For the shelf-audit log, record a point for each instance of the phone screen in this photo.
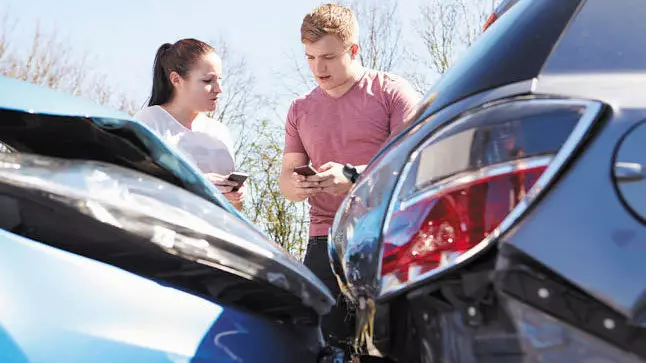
(239, 178)
(305, 170)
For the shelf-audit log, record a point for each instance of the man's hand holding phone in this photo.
(304, 181)
(331, 179)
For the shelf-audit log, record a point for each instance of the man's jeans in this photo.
(338, 324)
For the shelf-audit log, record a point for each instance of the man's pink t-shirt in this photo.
(348, 129)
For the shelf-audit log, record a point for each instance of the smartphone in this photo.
(305, 170)
(237, 177)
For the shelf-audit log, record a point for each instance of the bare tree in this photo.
(285, 222)
(446, 29)
(380, 33)
(240, 105)
(49, 61)
(438, 32)
(7, 26)
(298, 80)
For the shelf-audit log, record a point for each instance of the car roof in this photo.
(23, 96)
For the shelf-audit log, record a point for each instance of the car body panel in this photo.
(592, 60)
(589, 225)
(46, 122)
(77, 285)
(600, 39)
(60, 307)
(581, 235)
(628, 174)
(154, 229)
(600, 56)
(530, 336)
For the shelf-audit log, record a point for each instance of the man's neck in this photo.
(183, 115)
(340, 90)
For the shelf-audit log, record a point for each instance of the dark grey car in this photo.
(506, 223)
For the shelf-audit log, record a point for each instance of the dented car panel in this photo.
(114, 245)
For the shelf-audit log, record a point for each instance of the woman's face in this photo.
(200, 89)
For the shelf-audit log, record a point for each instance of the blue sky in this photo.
(123, 35)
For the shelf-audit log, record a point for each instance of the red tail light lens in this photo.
(455, 220)
(492, 18)
(466, 179)
(502, 8)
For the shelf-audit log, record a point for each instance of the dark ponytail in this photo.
(162, 88)
(179, 57)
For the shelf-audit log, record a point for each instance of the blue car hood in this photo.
(64, 146)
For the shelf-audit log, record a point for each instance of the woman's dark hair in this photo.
(179, 57)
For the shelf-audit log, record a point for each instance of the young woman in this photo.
(186, 84)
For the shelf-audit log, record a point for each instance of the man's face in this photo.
(330, 61)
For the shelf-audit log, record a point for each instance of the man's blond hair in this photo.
(330, 19)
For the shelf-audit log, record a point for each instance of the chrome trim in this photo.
(629, 172)
(463, 178)
(592, 110)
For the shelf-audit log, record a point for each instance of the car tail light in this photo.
(456, 220)
(490, 20)
(502, 8)
(462, 184)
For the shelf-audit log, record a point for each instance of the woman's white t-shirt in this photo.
(208, 145)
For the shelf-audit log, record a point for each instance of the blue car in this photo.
(113, 248)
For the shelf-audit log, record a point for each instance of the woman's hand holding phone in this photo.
(227, 186)
(221, 182)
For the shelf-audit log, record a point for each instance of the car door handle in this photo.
(629, 172)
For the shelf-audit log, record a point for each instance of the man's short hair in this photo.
(330, 19)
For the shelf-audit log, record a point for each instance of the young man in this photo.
(346, 119)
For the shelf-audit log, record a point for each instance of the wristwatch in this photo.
(351, 173)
